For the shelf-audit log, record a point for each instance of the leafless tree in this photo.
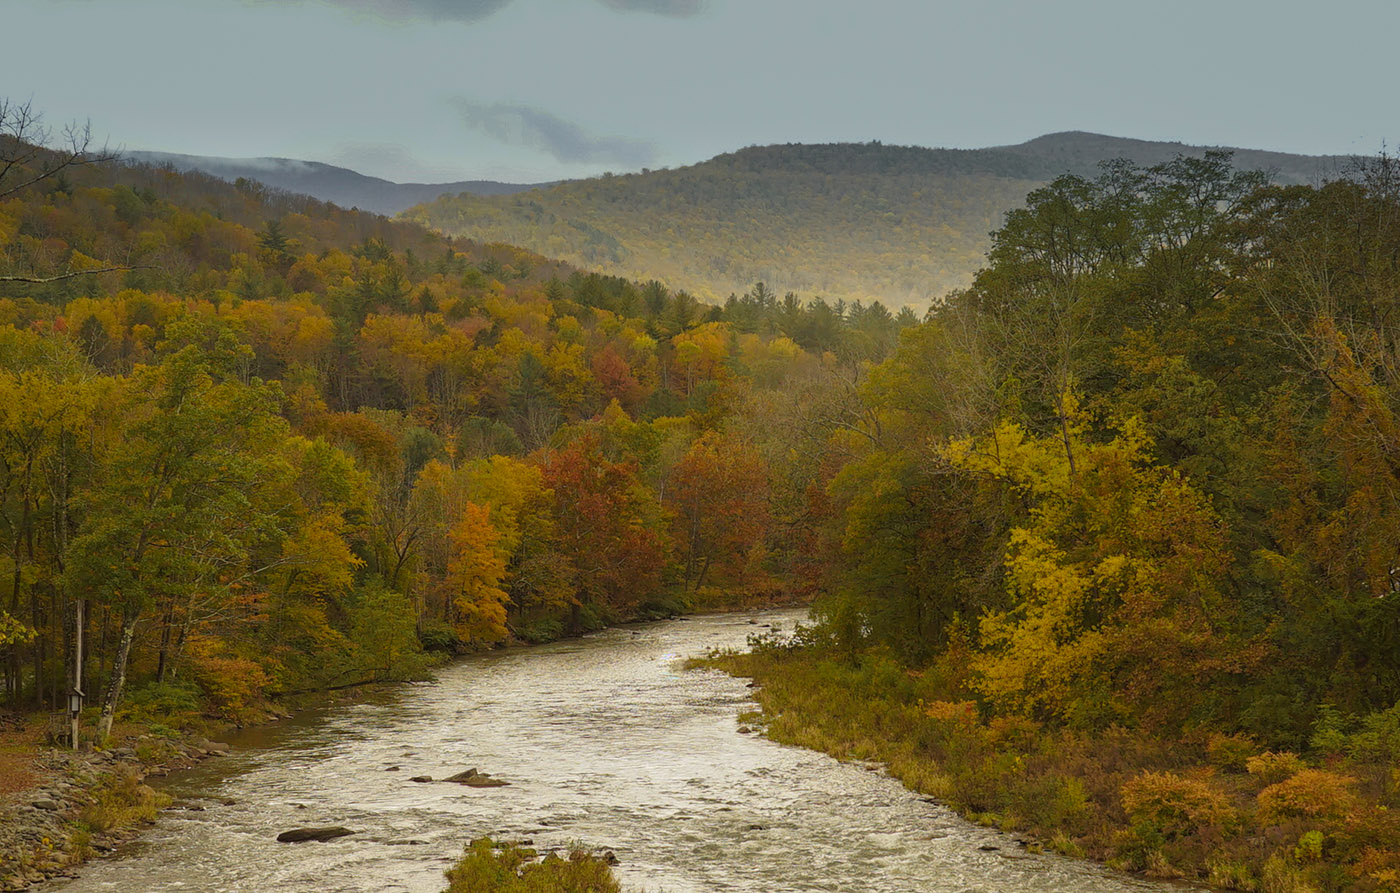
(30, 153)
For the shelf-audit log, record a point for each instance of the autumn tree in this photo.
(475, 603)
(719, 490)
(1117, 581)
(606, 528)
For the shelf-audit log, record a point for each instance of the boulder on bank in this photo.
(211, 747)
(320, 835)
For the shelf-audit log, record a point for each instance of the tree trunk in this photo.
(36, 650)
(164, 644)
(14, 670)
(114, 685)
(180, 638)
(704, 568)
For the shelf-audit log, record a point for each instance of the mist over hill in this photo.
(327, 182)
(866, 221)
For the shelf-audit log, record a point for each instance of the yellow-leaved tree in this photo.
(475, 570)
(1117, 579)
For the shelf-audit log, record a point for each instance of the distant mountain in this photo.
(855, 221)
(1075, 151)
(327, 182)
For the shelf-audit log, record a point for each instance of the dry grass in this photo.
(121, 801)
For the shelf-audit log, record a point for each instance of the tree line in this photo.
(252, 444)
(1113, 536)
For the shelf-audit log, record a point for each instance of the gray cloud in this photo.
(425, 10)
(523, 125)
(678, 8)
(476, 10)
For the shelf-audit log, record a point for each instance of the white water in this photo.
(605, 741)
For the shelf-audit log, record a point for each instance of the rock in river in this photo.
(297, 835)
(474, 779)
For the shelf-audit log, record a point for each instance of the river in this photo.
(605, 740)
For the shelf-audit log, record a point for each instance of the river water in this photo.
(605, 741)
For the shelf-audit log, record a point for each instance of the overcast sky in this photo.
(528, 90)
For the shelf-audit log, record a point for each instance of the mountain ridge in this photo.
(1049, 155)
(852, 221)
(328, 182)
(1297, 167)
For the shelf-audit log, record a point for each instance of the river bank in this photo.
(1212, 809)
(61, 807)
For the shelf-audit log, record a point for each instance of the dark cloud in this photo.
(523, 125)
(476, 10)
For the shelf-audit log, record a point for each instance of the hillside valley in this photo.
(804, 447)
(1109, 532)
(898, 224)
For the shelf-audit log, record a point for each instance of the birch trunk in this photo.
(118, 680)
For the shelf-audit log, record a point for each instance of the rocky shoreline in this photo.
(86, 804)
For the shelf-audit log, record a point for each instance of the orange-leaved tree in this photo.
(719, 491)
(606, 526)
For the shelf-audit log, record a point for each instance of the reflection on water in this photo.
(606, 741)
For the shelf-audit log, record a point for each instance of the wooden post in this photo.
(75, 694)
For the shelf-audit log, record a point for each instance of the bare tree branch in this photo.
(41, 280)
(24, 141)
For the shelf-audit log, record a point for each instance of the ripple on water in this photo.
(604, 740)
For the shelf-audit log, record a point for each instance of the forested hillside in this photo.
(277, 446)
(902, 225)
(1110, 554)
(1104, 548)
